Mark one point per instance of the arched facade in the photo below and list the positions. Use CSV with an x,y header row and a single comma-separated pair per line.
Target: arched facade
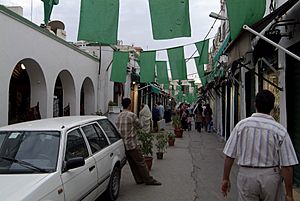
x,y
87,97
48,60
27,90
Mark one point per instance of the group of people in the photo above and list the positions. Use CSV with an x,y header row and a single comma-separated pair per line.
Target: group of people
x,y
201,114
262,147
159,112
203,118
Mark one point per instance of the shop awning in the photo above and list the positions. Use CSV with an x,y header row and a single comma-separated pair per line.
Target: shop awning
x,y
222,47
242,44
154,89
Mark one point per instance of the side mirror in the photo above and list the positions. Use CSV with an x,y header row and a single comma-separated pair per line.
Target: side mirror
x,y
74,163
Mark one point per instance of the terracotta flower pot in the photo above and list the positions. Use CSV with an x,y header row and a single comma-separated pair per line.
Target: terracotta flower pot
x,y
178,132
171,141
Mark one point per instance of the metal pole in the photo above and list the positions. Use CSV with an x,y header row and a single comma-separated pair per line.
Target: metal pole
x,y
31,9
271,42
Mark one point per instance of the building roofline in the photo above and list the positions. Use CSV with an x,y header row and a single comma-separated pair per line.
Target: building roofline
x,y
30,24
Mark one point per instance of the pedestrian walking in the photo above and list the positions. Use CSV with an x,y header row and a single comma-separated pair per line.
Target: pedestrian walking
x,y
128,123
208,118
155,117
198,118
263,149
168,114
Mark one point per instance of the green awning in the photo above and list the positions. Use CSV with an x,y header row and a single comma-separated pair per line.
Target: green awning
x,y
154,89
222,48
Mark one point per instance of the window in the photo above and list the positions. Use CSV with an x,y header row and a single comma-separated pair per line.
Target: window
x,y
95,137
110,130
76,146
37,148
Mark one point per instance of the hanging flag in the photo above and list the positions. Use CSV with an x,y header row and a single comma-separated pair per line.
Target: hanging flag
x,y
241,12
200,69
119,67
202,48
48,6
177,63
170,19
99,21
147,66
162,72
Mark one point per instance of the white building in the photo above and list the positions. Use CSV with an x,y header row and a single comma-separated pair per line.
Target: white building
x,y
41,69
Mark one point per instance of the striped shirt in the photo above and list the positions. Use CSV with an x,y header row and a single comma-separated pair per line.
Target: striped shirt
x,y
261,142
127,122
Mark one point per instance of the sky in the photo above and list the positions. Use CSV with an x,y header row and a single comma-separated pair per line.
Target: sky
x,y
134,24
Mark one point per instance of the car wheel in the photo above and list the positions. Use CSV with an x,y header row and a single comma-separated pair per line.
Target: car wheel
x,y
112,191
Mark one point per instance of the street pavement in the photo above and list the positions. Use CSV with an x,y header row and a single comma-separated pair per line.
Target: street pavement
x,y
190,171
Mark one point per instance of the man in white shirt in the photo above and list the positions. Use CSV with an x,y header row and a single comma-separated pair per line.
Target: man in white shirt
x,y
263,149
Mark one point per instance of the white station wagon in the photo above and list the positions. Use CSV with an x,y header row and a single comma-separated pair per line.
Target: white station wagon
x,y
61,159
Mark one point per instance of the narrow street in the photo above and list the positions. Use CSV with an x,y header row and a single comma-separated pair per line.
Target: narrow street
x,y
190,171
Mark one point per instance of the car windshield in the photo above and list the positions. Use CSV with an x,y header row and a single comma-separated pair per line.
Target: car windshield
x,y
26,152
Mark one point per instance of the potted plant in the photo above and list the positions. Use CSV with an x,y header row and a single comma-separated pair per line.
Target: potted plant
x,y
171,138
146,146
176,121
161,145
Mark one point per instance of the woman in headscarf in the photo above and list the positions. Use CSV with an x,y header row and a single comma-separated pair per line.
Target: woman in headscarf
x,y
145,116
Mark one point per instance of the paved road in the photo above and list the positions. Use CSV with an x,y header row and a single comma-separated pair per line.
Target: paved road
x,y
190,171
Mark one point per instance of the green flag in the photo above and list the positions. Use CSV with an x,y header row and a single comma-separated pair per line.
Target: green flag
x,y
162,72
170,18
200,69
202,48
99,21
241,12
48,6
147,66
177,63
119,67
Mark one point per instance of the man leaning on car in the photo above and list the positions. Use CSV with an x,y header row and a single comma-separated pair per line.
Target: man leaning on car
x,y
127,123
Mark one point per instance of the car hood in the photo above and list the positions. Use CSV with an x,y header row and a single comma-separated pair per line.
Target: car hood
x,y
18,186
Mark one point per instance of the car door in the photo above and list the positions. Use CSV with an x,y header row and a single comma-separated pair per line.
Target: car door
x,y
79,183
117,145
101,152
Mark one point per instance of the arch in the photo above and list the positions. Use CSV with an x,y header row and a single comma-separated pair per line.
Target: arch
x,y
64,103
27,91
87,97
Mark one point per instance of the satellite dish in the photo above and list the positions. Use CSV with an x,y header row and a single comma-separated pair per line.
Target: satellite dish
x,y
56,25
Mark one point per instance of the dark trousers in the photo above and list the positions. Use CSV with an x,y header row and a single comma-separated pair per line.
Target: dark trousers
x,y
138,166
198,126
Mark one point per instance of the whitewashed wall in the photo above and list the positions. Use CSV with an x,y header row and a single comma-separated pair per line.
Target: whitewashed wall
x,y
20,41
